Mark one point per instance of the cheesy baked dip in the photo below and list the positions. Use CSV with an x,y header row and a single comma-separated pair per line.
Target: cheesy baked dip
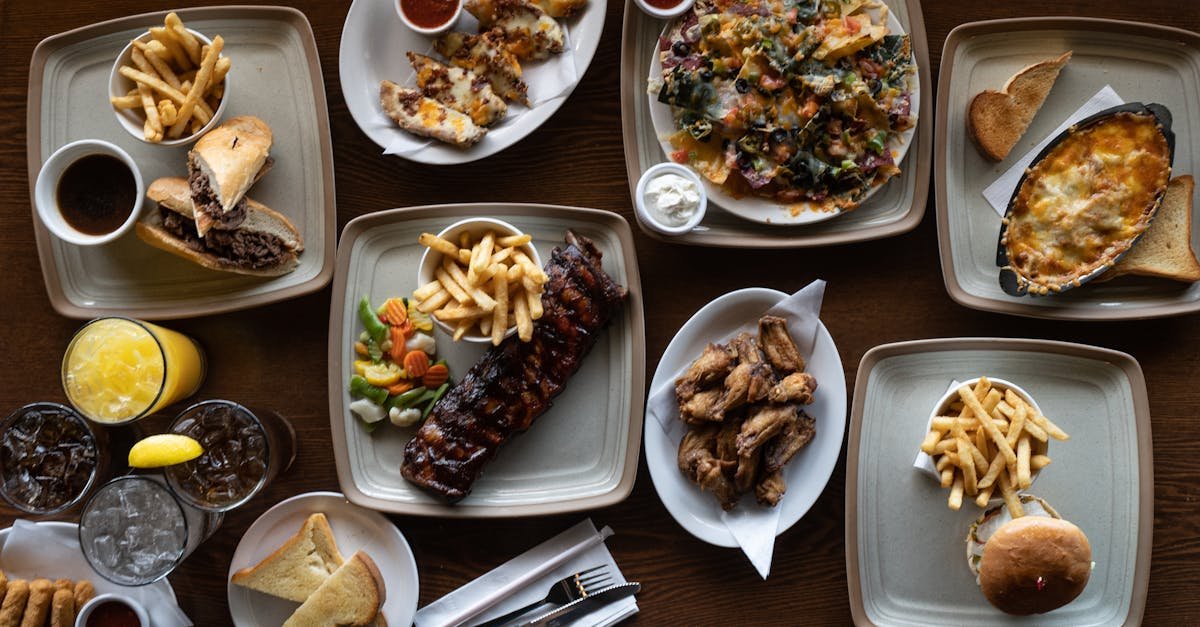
x,y
1084,204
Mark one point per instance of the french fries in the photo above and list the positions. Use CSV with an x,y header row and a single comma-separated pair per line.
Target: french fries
x,y
486,283
179,81
983,443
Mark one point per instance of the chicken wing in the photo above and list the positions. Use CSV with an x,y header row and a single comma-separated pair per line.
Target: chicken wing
x,y
702,407
711,366
763,424
698,464
796,434
746,349
778,346
797,387
770,489
747,471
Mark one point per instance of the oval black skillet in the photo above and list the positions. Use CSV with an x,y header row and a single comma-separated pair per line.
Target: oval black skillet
x,y
1008,279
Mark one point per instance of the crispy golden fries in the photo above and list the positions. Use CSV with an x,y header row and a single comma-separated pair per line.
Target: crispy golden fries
x,y
180,81
983,445
487,283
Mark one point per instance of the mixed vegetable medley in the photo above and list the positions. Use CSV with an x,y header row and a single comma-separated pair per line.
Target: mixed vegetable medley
x,y
798,101
395,376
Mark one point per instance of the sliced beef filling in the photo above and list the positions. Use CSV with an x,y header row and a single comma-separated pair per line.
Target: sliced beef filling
x,y
206,202
243,249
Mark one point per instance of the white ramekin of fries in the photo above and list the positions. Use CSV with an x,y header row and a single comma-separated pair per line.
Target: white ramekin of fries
x,y
1003,454
170,85
481,280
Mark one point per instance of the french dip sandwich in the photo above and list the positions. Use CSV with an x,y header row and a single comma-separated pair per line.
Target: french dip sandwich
x,y
221,168
265,243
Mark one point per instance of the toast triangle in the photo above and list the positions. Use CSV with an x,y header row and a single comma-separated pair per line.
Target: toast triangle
x,y
996,120
298,567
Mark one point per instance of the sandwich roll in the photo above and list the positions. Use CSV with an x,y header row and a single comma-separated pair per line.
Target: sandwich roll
x,y
221,168
264,244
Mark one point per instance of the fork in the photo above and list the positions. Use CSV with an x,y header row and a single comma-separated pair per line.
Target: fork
x,y
569,588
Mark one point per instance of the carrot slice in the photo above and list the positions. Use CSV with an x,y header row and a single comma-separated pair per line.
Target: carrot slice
x,y
435,376
399,387
416,364
398,339
397,313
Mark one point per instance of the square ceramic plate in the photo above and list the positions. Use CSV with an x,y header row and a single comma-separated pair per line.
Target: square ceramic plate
x,y
905,550
276,75
896,208
581,454
1142,62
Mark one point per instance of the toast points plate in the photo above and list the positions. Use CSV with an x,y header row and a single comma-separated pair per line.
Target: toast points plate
x,y
808,472
581,454
278,72
374,43
905,550
763,210
1142,62
353,527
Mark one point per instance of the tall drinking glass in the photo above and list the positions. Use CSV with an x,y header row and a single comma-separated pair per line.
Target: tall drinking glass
x,y
133,531
117,370
49,458
243,452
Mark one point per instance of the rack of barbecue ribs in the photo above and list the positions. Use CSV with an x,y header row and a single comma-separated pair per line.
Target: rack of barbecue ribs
x,y
513,383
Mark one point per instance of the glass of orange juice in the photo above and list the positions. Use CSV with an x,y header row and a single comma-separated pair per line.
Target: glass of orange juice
x,y
117,370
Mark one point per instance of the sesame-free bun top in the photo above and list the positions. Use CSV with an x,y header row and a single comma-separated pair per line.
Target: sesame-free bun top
x,y
1035,564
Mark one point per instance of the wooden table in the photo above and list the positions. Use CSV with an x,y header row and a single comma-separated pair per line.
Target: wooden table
x,y
878,292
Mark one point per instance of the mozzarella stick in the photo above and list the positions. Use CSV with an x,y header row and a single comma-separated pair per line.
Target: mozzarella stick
x,y
62,608
37,609
84,591
15,600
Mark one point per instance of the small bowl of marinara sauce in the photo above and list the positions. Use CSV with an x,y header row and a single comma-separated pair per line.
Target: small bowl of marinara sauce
x,y
664,9
429,17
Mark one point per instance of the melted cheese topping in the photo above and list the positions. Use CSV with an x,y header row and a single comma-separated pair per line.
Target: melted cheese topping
x,y
1085,203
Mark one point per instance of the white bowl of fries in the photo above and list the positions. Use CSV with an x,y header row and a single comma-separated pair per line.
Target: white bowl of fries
x,y
462,286
1007,451
170,85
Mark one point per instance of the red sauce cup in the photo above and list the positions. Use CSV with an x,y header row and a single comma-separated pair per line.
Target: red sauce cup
x,y
430,17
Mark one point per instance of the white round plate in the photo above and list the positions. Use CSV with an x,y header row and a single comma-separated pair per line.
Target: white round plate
x,y
354,528
807,473
373,48
68,534
764,210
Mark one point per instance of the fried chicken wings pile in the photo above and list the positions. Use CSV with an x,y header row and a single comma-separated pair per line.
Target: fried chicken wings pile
x,y
742,402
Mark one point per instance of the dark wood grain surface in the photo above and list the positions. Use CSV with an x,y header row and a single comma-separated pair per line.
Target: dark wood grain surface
x,y
878,292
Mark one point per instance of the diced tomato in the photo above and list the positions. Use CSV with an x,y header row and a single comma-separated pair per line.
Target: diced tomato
x,y
680,156
851,24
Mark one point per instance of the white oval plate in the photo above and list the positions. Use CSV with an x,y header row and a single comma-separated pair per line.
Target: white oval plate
x,y
374,43
807,473
763,210
68,534
354,528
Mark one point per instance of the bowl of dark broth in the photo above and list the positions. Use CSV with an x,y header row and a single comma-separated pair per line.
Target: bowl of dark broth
x,y
89,192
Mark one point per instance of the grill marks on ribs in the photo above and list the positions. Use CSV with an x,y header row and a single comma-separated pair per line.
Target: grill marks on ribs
x,y
513,383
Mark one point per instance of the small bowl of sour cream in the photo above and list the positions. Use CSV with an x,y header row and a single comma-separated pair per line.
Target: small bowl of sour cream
x,y
670,199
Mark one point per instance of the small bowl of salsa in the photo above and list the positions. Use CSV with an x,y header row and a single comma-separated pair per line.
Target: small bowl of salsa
x,y
665,9
112,610
89,192
429,17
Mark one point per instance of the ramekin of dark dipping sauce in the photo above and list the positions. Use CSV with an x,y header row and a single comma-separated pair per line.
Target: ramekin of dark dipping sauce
x,y
429,17
89,192
112,610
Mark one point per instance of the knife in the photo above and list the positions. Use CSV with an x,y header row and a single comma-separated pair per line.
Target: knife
x,y
560,615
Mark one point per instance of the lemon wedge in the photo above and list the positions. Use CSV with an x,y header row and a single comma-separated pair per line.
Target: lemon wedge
x,y
165,449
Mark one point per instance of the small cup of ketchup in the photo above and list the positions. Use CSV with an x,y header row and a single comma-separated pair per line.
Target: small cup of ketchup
x,y
664,9
89,192
429,17
112,610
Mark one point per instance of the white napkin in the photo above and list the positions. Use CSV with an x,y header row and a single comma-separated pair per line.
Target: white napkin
x,y
753,526
547,80
34,550
1000,192
527,578
924,462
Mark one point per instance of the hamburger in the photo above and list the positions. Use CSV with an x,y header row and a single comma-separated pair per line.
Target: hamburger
x,y
1028,565
221,168
265,243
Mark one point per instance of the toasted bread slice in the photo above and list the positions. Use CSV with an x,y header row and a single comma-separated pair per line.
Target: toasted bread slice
x,y
351,596
298,567
996,120
1165,249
